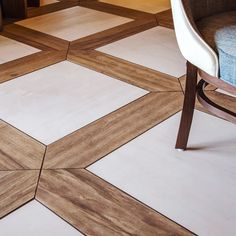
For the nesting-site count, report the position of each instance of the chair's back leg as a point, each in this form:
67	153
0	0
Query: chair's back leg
188	107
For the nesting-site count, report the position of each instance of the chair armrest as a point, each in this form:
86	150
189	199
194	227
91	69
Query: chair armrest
191	44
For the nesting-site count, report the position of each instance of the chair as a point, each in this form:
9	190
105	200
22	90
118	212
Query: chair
206	35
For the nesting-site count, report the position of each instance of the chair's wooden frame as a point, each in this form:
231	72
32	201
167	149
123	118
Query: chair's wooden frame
195	89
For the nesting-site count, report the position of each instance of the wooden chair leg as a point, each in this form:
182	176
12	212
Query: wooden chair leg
188	107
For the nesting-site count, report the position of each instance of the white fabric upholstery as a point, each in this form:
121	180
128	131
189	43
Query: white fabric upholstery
191	45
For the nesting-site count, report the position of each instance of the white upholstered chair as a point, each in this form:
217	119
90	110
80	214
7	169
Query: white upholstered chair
206	35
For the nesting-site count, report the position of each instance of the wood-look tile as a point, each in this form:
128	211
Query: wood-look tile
60	99
25	65
12	49
19	151
223	100
111	35
134	74
151	6
195	188
94	141
80	22
17	188
97	208
52	7
165	19
160	53
35	38
114	9
182	80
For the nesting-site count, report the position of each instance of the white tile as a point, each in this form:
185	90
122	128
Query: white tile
155	48
151	6
73	23
55	101
195	188
35	219
11	50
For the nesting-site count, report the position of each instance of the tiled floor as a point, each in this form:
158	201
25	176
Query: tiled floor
87	128
151	6
35	219
57	100
11	50
181	185
161	53
74	23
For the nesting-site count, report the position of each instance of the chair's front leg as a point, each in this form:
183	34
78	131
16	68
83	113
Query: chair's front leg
188	107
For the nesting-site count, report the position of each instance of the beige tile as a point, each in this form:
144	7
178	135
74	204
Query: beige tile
97	208
195	188
35	219
57	100
11	50
151	6
73	23
155	48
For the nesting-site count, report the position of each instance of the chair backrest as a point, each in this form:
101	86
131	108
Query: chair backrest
198	9
191	44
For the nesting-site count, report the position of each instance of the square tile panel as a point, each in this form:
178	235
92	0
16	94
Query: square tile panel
151	6
55	101
11	50
155	48
73	23
35	219
195	188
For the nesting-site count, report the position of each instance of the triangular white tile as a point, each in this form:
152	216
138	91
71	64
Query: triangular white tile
35	219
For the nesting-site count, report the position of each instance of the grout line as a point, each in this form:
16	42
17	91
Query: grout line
40	172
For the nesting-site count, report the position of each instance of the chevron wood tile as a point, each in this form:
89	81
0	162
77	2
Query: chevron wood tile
17	188
91	143
97	208
19	151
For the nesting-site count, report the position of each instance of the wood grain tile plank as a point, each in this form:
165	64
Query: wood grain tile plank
57	6
113	9
92	142
17	188
96	208
19	151
24	65
126	71
33	37
111	35
165	19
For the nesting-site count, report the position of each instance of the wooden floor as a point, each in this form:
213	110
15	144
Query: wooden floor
56	174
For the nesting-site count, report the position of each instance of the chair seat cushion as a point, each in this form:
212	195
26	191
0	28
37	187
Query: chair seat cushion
219	31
